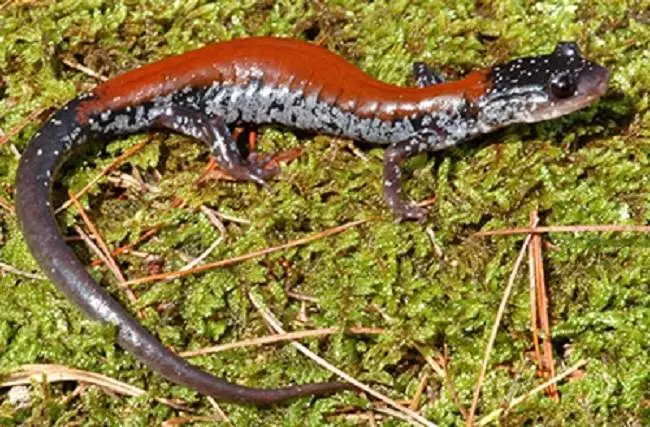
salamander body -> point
(265, 80)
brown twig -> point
(497, 413)
(439, 370)
(230, 217)
(495, 328)
(214, 219)
(13, 270)
(82, 68)
(548, 370)
(603, 228)
(533, 300)
(415, 400)
(436, 247)
(222, 233)
(179, 421)
(110, 262)
(26, 374)
(103, 259)
(359, 418)
(279, 338)
(302, 297)
(273, 323)
(128, 153)
(426, 202)
(91, 245)
(218, 410)
(7, 206)
(285, 156)
(128, 247)
(23, 123)
(350, 145)
(397, 414)
(452, 389)
(250, 255)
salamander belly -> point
(258, 103)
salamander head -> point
(539, 88)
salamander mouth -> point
(593, 84)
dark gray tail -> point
(38, 166)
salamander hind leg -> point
(393, 157)
(213, 131)
(425, 76)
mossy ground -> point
(591, 167)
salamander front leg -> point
(425, 76)
(393, 157)
(213, 131)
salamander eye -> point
(563, 86)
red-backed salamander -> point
(287, 82)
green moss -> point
(591, 167)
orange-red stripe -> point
(282, 62)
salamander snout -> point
(593, 81)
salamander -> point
(266, 80)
